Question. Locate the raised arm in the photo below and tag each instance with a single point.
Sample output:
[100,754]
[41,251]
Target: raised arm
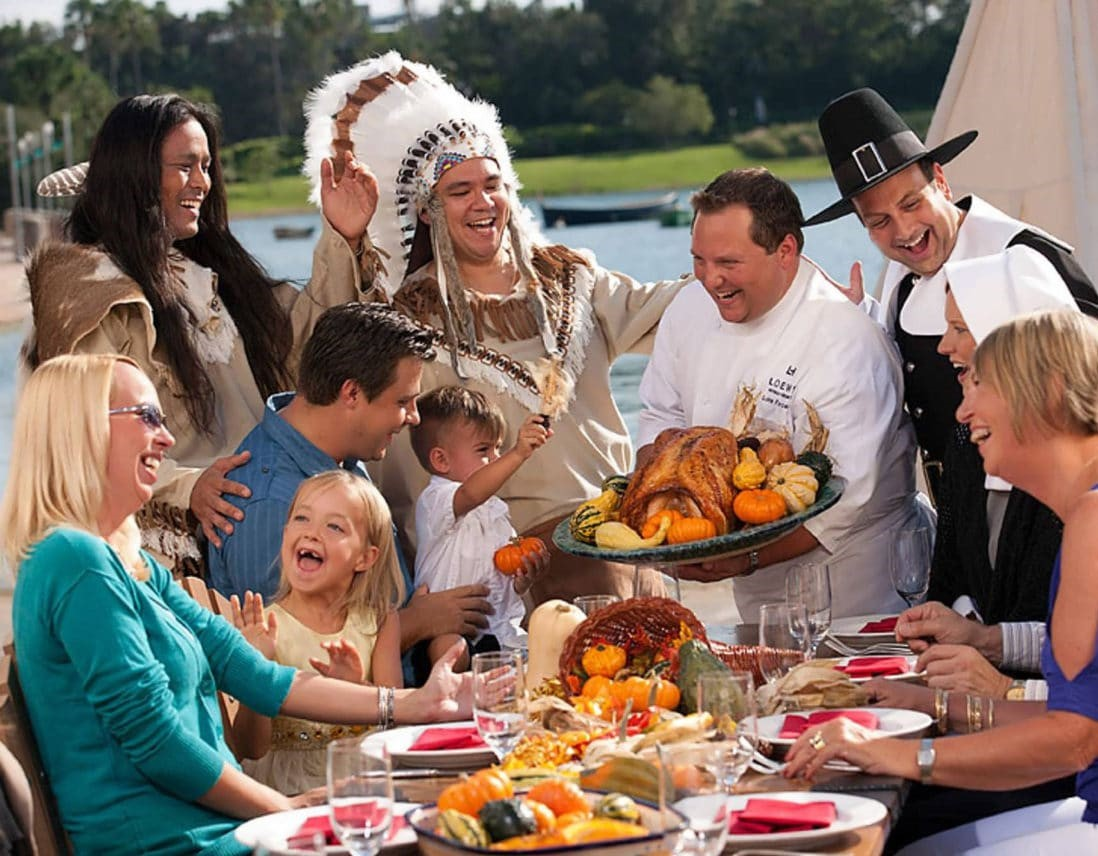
[486,482]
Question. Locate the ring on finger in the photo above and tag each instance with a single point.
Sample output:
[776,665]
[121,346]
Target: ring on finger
[816,741]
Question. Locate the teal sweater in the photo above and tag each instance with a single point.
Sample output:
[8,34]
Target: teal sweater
[121,681]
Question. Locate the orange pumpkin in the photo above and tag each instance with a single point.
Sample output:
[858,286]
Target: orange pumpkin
[470,794]
[510,558]
[758,506]
[691,529]
[652,525]
[640,690]
[603,659]
[562,797]
[596,685]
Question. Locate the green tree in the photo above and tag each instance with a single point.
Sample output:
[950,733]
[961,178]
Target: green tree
[669,112]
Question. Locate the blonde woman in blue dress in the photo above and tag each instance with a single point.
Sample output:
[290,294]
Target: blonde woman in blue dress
[334,613]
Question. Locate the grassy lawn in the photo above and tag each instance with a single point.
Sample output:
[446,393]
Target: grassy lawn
[572,174]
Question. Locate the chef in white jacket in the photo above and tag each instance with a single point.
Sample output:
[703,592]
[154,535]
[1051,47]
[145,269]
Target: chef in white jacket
[763,316]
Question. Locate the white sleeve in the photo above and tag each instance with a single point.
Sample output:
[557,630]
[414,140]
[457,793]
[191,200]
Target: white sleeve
[434,519]
[659,392]
[1022,643]
[872,307]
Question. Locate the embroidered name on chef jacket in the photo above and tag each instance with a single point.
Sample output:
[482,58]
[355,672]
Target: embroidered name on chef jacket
[780,390]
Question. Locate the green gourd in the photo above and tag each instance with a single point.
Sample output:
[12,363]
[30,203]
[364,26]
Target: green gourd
[617,483]
[695,659]
[460,827]
[592,514]
[507,818]
[819,463]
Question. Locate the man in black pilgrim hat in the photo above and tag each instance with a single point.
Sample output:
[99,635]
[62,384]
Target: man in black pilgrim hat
[897,187]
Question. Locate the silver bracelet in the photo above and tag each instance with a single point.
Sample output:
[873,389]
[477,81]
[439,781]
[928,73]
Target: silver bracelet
[390,703]
[385,698]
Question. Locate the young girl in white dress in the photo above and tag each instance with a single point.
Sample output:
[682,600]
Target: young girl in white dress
[334,613]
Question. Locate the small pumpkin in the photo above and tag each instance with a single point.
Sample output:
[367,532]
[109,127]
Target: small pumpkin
[510,558]
[645,692]
[561,796]
[775,451]
[618,807]
[595,686]
[795,483]
[652,525]
[691,529]
[507,818]
[758,506]
[460,827]
[819,463]
[617,483]
[543,815]
[603,659]
[749,472]
[470,794]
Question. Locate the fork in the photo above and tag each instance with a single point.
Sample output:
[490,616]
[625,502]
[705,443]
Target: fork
[876,648]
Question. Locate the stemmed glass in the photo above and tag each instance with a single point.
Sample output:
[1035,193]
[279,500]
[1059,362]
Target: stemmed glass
[592,603]
[499,699]
[730,699]
[810,584]
[782,650]
[695,772]
[909,564]
[360,794]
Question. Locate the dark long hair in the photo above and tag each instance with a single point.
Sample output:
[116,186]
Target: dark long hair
[119,210]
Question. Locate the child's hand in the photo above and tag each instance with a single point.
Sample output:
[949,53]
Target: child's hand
[534,564]
[344,662]
[260,628]
[532,435]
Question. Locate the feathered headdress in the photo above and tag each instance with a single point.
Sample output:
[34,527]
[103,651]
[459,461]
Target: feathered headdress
[410,126]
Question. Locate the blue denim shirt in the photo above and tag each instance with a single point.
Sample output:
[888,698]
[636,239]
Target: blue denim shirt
[282,458]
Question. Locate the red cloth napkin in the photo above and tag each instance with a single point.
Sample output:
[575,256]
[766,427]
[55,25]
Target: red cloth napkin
[323,823]
[763,816]
[868,667]
[885,625]
[433,739]
[796,724]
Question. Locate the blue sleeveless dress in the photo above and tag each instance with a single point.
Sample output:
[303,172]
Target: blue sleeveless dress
[1075,696]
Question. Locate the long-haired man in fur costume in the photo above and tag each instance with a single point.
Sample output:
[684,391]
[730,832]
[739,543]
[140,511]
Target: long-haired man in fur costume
[532,325]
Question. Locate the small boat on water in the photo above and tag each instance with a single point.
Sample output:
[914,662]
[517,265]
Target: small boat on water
[580,214]
[284,233]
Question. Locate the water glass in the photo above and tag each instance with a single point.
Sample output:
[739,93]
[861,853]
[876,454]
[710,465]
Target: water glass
[360,794]
[729,697]
[592,603]
[810,584]
[909,563]
[782,649]
[499,699]
[696,775]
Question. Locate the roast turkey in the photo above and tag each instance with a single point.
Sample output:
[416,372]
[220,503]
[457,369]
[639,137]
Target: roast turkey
[690,470]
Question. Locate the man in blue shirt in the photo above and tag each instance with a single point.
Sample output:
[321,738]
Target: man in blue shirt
[357,385]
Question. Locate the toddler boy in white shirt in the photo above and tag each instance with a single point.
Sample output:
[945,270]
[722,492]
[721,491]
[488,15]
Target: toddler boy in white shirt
[460,523]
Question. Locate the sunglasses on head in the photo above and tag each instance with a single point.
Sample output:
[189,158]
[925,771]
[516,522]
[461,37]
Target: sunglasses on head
[150,414]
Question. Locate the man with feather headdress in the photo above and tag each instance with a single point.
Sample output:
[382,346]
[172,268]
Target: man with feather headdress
[534,326]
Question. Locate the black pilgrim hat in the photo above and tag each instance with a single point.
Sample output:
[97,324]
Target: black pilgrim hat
[866,142]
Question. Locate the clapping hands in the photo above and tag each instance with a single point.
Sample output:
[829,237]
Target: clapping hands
[257,625]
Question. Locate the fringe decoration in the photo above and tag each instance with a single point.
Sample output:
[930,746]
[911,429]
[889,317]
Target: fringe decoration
[170,532]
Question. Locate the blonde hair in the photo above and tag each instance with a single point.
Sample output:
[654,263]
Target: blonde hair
[1045,367]
[380,588]
[59,451]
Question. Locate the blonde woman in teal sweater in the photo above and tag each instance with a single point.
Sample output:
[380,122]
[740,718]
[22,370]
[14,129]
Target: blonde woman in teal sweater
[119,667]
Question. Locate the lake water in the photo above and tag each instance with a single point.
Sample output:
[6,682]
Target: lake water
[643,249]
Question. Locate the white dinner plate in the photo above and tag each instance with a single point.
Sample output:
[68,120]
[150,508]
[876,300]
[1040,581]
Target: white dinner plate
[851,628]
[851,812]
[397,741]
[892,722]
[909,675]
[272,830]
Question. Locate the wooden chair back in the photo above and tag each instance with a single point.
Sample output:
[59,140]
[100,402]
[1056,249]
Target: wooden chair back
[218,604]
[45,833]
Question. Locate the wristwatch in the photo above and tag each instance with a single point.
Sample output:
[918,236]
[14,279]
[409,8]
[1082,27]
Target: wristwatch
[1016,691]
[925,759]
[752,562]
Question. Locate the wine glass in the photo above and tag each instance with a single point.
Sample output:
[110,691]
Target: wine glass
[499,699]
[360,794]
[810,584]
[592,603]
[695,772]
[909,563]
[781,648]
[729,697]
